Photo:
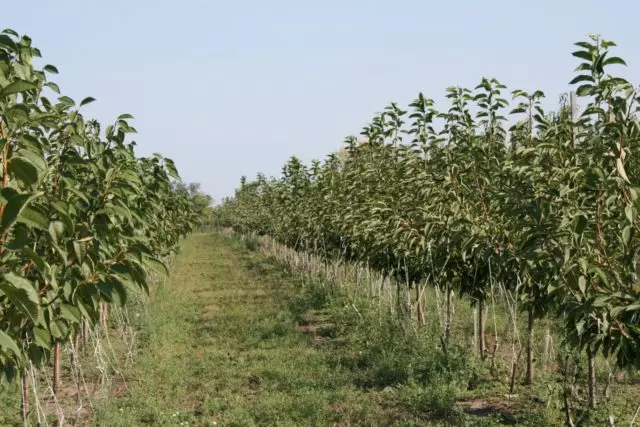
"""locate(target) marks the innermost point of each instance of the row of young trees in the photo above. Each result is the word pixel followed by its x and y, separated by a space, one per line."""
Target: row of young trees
pixel 83 220
pixel 547 207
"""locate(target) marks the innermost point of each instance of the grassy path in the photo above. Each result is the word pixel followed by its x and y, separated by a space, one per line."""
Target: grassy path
pixel 220 347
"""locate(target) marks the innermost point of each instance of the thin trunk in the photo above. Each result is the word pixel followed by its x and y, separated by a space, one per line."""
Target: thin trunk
pixel 547 347
pixel 85 334
pixel 633 420
pixel 448 314
pixel 104 314
pixel 482 322
pixel 74 352
pixel 408 310
pixel 591 355
pixel 419 307
pixel 5 174
pixel 475 328
pixel 25 399
pixel 56 366
pixel 514 372
pixel 565 396
pixel 398 299
pixel 530 337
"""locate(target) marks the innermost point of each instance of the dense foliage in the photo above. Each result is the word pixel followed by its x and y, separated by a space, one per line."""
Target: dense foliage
pixel 547 207
pixel 83 220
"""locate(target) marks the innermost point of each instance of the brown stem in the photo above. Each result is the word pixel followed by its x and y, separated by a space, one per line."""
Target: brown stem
pixel 103 315
pixel 530 337
pixel 565 396
pixel 85 334
pixel 591 356
pixel 419 307
pixel 25 399
pixel 56 367
pixel 5 175
pixel 449 314
pixel 482 321
pixel 5 164
pixel 514 372
pixel 74 353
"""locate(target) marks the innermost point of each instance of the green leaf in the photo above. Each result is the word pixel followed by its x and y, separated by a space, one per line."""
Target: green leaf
pixel 626 234
pixel 87 100
pixel 37 259
pixel 587 56
pixel 32 218
pixel 7 42
pixel 630 213
pixel 80 250
pixel 22 293
pixel 600 301
pixel 42 337
pixel 50 69
pixel 584 90
pixel 35 158
pixel 582 284
pixel 70 313
pixel 17 86
pixel 7 343
pixel 59 329
pixel 171 168
pixel 54 87
pixel 14 207
pixel 613 60
pixel 585 45
pixel 602 275
pixel 56 230
pixel 621 170
pixel 63 212
pixel 19 112
pixel 20 239
pixel 23 170
pixel 581 78
pixel 580 223
pixel 67 101
pixel 155 265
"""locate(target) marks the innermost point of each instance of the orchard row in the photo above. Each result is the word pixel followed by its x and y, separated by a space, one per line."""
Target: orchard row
pixel 83 219
pixel 457 199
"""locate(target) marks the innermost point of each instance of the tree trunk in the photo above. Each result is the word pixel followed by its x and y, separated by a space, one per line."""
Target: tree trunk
pixel 530 338
pixel 514 372
pixel 398 299
pixel 591 355
pixel 104 314
pixel 25 398
pixel 419 307
pixel 482 322
pixel 448 314
pixel 474 344
pixel 85 334
pixel 56 366
pixel 565 395
pixel 74 350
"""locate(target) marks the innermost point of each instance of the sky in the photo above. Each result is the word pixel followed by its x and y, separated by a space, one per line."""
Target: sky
pixel 232 88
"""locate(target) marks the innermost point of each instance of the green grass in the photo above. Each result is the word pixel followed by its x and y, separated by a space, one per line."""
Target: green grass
pixel 233 338
pixel 221 348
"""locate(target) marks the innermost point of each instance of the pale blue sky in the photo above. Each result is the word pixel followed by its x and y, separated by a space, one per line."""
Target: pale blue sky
pixel 236 87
